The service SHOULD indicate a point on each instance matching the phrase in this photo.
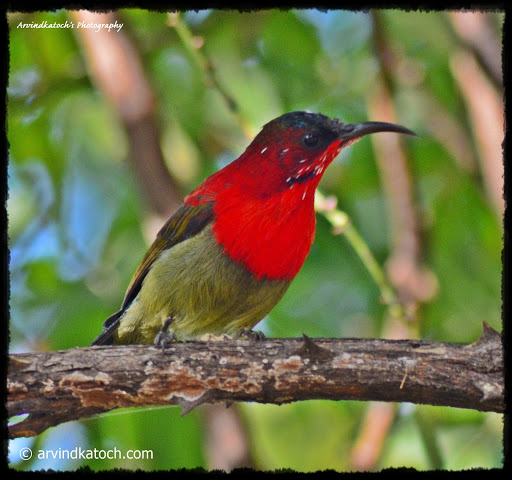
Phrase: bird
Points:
(227, 256)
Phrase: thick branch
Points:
(55, 387)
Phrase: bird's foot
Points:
(165, 337)
(252, 335)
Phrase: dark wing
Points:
(186, 222)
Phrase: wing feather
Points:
(186, 222)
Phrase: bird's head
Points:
(290, 152)
(297, 147)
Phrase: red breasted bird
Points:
(228, 255)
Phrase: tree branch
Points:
(55, 387)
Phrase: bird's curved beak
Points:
(352, 131)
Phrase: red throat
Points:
(270, 236)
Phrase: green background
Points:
(77, 220)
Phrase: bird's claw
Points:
(252, 335)
(164, 338)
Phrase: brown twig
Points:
(372, 435)
(54, 387)
(487, 117)
(475, 32)
(226, 446)
(413, 282)
(194, 46)
(116, 68)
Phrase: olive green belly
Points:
(203, 290)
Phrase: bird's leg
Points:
(252, 335)
(164, 338)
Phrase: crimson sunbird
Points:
(227, 256)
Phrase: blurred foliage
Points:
(75, 216)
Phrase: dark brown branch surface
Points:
(55, 387)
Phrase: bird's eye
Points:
(310, 140)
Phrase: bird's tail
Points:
(110, 325)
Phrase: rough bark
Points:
(54, 387)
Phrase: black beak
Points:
(351, 131)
